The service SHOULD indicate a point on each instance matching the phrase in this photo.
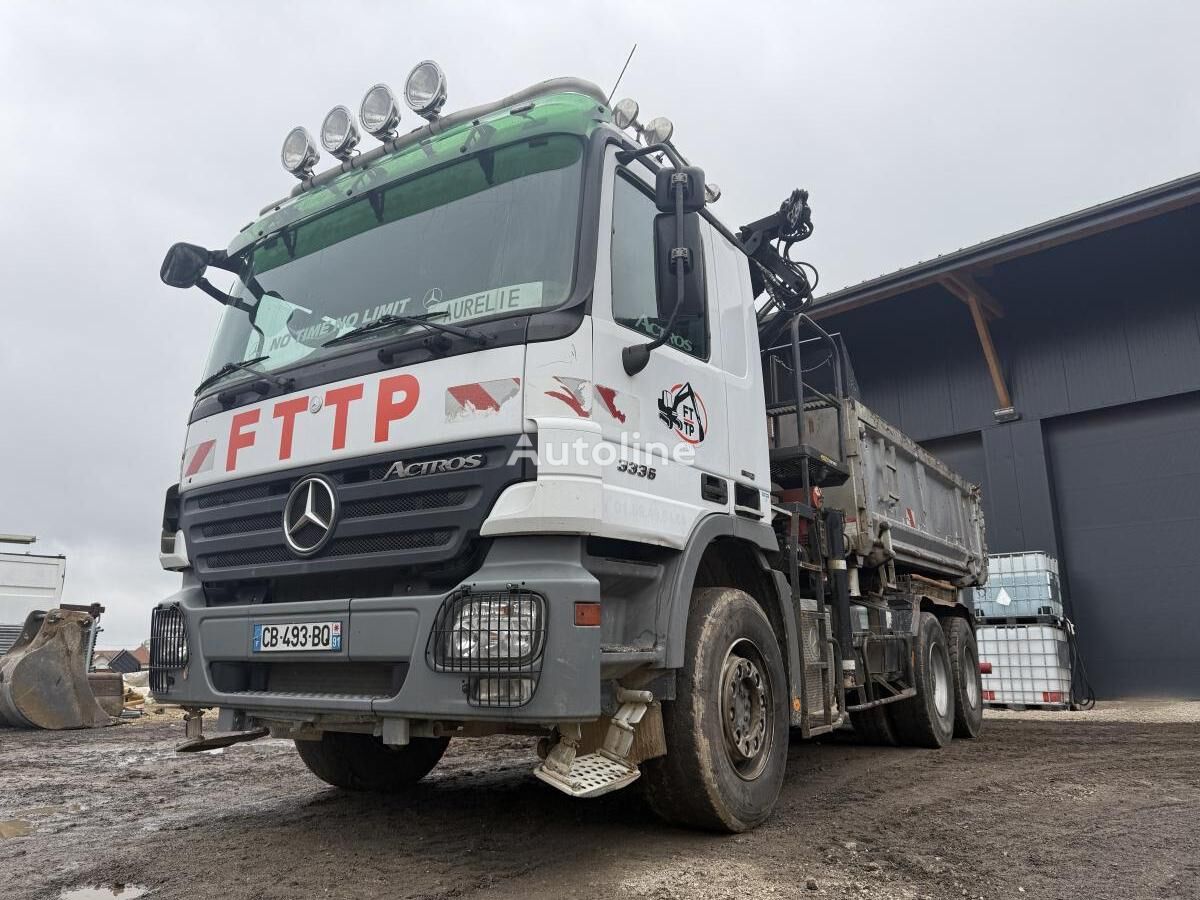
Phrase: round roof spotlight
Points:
(379, 113)
(658, 131)
(299, 153)
(425, 89)
(339, 134)
(625, 113)
(712, 192)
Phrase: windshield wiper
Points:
(392, 321)
(230, 367)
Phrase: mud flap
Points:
(43, 676)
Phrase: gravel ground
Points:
(1057, 805)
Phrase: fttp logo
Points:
(681, 409)
(434, 466)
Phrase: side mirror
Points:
(693, 189)
(690, 267)
(184, 265)
(674, 265)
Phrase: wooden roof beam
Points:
(963, 286)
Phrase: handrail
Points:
(827, 339)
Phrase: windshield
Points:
(494, 234)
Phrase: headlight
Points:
(299, 153)
(490, 632)
(425, 89)
(379, 112)
(339, 134)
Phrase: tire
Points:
(362, 762)
(927, 720)
(968, 683)
(873, 726)
(727, 728)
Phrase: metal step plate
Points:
(590, 776)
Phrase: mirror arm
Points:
(220, 259)
(625, 157)
(221, 297)
(635, 357)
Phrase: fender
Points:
(675, 592)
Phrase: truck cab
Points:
(481, 447)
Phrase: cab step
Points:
(611, 767)
(590, 776)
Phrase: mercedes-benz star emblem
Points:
(310, 515)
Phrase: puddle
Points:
(13, 828)
(116, 892)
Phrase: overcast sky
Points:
(918, 127)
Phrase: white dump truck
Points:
(504, 431)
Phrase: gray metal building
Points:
(1059, 368)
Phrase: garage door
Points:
(1127, 490)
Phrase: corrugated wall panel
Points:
(1164, 347)
(1096, 362)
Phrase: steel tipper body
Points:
(481, 447)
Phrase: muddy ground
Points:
(1057, 805)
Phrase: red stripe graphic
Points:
(199, 457)
(475, 395)
(608, 397)
(569, 395)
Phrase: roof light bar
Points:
(339, 133)
(379, 112)
(425, 89)
(299, 154)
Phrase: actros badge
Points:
(433, 466)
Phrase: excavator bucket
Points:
(43, 676)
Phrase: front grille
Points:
(168, 646)
(419, 523)
(241, 526)
(362, 680)
(238, 495)
(411, 540)
(496, 636)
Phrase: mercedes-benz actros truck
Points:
(503, 431)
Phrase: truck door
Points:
(734, 319)
(668, 422)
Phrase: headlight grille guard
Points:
(168, 646)
(498, 637)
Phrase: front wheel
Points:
(362, 762)
(727, 728)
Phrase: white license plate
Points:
(291, 637)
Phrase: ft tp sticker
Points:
(682, 410)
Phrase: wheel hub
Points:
(940, 678)
(971, 676)
(745, 712)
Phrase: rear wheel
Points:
(727, 728)
(363, 762)
(927, 720)
(968, 683)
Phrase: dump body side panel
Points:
(933, 517)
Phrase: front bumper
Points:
(382, 669)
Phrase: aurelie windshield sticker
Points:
(513, 298)
(291, 332)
